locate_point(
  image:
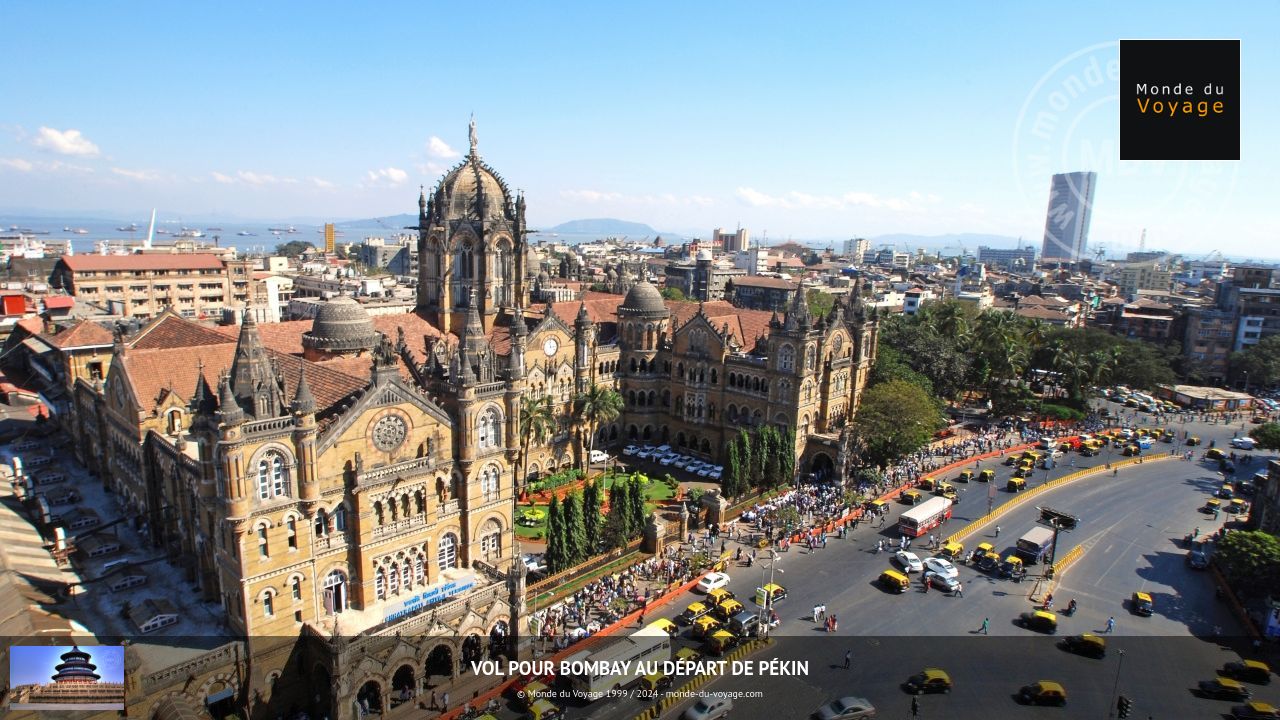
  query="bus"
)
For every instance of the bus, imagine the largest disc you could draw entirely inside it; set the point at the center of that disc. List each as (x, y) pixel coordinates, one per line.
(648, 644)
(924, 517)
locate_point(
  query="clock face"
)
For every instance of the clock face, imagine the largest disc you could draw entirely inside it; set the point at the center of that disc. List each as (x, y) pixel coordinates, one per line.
(389, 432)
(550, 346)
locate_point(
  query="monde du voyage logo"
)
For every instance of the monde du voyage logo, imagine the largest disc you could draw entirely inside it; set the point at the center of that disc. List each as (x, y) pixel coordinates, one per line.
(1179, 99)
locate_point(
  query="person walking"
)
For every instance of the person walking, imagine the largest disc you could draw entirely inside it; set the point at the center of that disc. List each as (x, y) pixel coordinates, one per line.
(915, 707)
(848, 658)
(959, 590)
(816, 610)
(1111, 625)
(444, 702)
(986, 626)
(997, 531)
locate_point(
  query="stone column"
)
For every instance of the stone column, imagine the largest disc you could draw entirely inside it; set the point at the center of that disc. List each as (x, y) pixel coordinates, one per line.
(654, 532)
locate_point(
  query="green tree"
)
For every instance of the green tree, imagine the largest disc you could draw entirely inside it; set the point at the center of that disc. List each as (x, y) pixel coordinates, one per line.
(592, 520)
(820, 303)
(895, 419)
(575, 529)
(635, 508)
(889, 365)
(617, 530)
(293, 248)
(787, 457)
(537, 423)
(598, 405)
(773, 457)
(1250, 561)
(760, 456)
(746, 457)
(1267, 435)
(557, 559)
(672, 293)
(731, 478)
(1259, 364)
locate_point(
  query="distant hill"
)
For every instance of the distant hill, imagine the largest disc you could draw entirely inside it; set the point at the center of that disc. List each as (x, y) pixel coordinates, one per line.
(970, 241)
(394, 221)
(602, 226)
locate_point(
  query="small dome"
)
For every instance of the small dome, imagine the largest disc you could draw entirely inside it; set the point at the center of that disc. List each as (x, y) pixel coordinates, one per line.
(704, 254)
(341, 325)
(644, 297)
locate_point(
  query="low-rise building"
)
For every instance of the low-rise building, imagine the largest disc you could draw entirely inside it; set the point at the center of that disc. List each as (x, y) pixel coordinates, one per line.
(143, 285)
(763, 292)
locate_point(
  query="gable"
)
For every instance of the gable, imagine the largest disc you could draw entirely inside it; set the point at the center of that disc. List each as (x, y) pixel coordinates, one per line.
(393, 391)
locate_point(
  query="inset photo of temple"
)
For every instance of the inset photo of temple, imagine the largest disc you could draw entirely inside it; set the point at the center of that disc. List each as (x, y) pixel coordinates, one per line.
(60, 678)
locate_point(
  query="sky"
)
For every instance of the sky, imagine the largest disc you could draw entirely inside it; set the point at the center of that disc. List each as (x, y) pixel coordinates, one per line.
(33, 664)
(807, 121)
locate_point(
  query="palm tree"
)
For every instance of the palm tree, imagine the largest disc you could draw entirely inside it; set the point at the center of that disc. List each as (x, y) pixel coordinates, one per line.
(597, 405)
(949, 319)
(537, 423)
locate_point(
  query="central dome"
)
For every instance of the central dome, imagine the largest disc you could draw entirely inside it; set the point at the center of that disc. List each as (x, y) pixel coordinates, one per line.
(341, 326)
(644, 297)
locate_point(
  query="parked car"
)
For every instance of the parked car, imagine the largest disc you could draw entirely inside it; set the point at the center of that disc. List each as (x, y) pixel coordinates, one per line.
(713, 581)
(909, 561)
(846, 708)
(941, 566)
(709, 708)
(630, 450)
(599, 456)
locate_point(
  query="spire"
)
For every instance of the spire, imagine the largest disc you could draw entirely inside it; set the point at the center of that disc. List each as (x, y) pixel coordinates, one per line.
(229, 411)
(798, 317)
(254, 380)
(474, 326)
(422, 201)
(203, 399)
(304, 403)
(518, 327)
(583, 318)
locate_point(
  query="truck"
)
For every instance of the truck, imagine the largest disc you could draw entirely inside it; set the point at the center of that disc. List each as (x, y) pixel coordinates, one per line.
(1035, 544)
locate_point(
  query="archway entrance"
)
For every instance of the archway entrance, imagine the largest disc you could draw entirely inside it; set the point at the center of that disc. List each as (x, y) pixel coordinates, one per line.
(220, 700)
(472, 650)
(822, 468)
(439, 662)
(369, 698)
(498, 640)
(403, 686)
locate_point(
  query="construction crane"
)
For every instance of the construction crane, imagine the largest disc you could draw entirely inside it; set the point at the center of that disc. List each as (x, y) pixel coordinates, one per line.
(1100, 253)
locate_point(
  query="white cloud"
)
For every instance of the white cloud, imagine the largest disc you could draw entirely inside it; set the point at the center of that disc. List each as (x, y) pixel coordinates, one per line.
(65, 142)
(322, 184)
(16, 164)
(590, 196)
(659, 199)
(224, 179)
(259, 179)
(438, 148)
(136, 174)
(390, 175)
(796, 200)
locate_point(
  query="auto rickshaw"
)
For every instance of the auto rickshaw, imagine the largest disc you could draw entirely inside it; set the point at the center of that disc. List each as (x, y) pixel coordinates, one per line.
(964, 476)
(654, 683)
(717, 596)
(952, 550)
(728, 609)
(1015, 484)
(989, 562)
(947, 491)
(720, 642)
(1238, 507)
(1254, 671)
(1012, 567)
(666, 626)
(544, 710)
(1212, 506)
(912, 497)
(987, 475)
(1142, 604)
(1131, 450)
(1087, 644)
(926, 484)
(695, 611)
(876, 507)
(1193, 441)
(703, 626)
(1023, 472)
(1214, 454)
(532, 693)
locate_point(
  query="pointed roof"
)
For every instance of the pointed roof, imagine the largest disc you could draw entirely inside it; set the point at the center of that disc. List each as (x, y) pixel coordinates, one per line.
(303, 401)
(83, 334)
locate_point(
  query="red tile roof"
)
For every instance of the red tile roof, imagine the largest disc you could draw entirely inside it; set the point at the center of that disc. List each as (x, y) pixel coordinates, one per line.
(744, 325)
(82, 334)
(149, 261)
(170, 330)
(59, 302)
(762, 281)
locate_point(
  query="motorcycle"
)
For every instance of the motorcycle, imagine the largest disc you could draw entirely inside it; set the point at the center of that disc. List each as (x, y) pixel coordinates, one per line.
(1071, 609)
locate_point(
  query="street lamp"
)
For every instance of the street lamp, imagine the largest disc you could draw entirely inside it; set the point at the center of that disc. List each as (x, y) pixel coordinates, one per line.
(1116, 687)
(767, 605)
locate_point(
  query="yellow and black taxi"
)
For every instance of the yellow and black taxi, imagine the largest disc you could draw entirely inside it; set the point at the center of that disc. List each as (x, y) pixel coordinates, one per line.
(544, 710)
(720, 642)
(770, 594)
(1221, 688)
(717, 596)
(1193, 441)
(1041, 621)
(694, 611)
(728, 609)
(1167, 436)
(989, 561)
(1255, 711)
(926, 484)
(929, 680)
(1016, 483)
(1214, 454)
(1237, 506)
(1044, 692)
(1086, 644)
(1142, 604)
(687, 654)
(1224, 491)
(1131, 450)
(666, 626)
(911, 497)
(1012, 460)
(703, 626)
(531, 692)
(654, 683)
(1253, 671)
(987, 475)
(1022, 471)
(894, 581)
(1211, 505)
(951, 550)
(964, 476)
(948, 491)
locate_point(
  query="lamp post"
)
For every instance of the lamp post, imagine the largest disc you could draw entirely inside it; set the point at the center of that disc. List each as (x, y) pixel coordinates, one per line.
(1115, 688)
(767, 605)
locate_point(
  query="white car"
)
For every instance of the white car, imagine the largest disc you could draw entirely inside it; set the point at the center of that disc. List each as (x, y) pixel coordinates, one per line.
(713, 581)
(664, 449)
(599, 456)
(1243, 443)
(695, 466)
(668, 459)
(644, 454)
(846, 708)
(680, 461)
(715, 474)
(706, 471)
(630, 450)
(941, 566)
(909, 561)
(709, 708)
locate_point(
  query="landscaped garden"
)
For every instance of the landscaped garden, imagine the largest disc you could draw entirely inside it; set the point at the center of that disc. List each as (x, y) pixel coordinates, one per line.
(533, 510)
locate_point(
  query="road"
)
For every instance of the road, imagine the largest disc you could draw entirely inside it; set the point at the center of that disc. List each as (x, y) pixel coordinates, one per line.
(1131, 529)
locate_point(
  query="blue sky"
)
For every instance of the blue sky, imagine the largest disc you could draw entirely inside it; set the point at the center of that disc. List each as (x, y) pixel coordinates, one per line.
(804, 120)
(30, 664)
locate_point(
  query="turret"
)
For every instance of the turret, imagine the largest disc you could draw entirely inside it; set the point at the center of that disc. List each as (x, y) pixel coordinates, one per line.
(229, 412)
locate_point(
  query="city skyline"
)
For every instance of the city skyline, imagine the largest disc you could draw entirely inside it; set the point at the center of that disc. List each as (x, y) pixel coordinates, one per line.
(837, 122)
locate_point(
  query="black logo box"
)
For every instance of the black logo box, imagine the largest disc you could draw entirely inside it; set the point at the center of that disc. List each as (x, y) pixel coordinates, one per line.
(1154, 124)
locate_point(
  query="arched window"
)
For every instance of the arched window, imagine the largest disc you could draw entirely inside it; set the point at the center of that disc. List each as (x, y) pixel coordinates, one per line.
(393, 580)
(340, 518)
(491, 540)
(447, 553)
(175, 421)
(291, 531)
(263, 549)
(418, 570)
(273, 481)
(489, 429)
(406, 573)
(489, 483)
(269, 603)
(380, 584)
(335, 591)
(786, 358)
(322, 523)
(296, 585)
(466, 268)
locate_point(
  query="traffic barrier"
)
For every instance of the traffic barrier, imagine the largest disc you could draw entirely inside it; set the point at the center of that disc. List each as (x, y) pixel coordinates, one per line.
(698, 681)
(1025, 496)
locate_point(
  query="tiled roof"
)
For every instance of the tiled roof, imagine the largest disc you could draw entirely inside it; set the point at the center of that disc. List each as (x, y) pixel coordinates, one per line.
(153, 371)
(744, 325)
(601, 308)
(285, 337)
(82, 334)
(1040, 312)
(169, 330)
(59, 302)
(762, 281)
(149, 261)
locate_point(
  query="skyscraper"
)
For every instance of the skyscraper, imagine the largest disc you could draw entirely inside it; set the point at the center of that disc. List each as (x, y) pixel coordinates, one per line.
(1066, 225)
